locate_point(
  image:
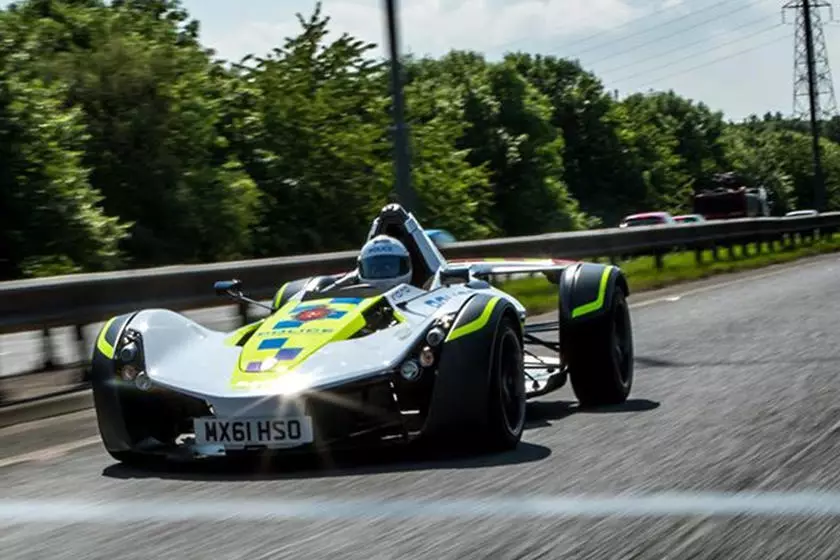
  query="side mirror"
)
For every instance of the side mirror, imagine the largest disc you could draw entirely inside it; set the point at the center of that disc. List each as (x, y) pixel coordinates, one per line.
(453, 274)
(224, 287)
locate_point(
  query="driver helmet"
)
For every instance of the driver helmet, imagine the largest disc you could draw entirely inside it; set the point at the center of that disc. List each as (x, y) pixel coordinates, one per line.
(384, 263)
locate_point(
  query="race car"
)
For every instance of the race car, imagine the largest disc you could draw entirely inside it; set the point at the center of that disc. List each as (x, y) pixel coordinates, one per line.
(443, 357)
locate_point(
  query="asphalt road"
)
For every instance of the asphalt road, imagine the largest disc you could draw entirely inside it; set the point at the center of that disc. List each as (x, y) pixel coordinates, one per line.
(728, 449)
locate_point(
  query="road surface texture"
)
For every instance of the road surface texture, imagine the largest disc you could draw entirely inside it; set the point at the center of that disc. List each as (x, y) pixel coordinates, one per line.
(728, 449)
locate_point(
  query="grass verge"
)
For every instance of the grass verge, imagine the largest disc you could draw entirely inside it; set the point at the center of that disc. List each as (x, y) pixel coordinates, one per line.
(539, 296)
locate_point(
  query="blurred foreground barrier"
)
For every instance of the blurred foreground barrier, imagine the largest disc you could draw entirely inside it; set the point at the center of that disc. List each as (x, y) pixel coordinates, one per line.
(83, 299)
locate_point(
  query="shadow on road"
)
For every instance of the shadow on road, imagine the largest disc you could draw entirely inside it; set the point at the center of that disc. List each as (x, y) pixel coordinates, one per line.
(369, 461)
(648, 361)
(348, 463)
(541, 413)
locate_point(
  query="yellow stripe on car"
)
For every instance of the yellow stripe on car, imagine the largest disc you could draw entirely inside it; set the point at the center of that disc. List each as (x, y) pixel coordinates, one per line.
(476, 324)
(102, 343)
(598, 303)
(279, 295)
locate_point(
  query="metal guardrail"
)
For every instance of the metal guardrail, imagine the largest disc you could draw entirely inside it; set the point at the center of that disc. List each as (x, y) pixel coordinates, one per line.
(82, 299)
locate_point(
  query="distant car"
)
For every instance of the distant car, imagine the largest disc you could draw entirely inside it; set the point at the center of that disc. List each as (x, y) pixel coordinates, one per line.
(689, 219)
(440, 237)
(800, 213)
(647, 219)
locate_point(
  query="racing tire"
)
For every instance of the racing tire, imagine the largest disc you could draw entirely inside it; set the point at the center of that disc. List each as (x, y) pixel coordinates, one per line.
(599, 355)
(506, 403)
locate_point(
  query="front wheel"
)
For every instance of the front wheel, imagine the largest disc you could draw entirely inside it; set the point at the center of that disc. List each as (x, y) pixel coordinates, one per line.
(599, 355)
(506, 397)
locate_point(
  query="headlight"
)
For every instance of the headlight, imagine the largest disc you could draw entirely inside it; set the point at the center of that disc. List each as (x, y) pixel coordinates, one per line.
(128, 372)
(435, 336)
(130, 363)
(142, 381)
(128, 352)
(427, 357)
(410, 371)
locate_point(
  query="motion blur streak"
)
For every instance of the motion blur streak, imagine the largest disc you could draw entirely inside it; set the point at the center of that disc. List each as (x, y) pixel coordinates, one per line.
(666, 504)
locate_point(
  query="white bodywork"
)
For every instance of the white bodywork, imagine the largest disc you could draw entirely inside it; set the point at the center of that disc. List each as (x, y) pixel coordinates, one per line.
(184, 356)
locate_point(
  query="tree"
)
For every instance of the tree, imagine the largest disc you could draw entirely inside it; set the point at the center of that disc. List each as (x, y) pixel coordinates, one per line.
(52, 221)
(150, 100)
(509, 132)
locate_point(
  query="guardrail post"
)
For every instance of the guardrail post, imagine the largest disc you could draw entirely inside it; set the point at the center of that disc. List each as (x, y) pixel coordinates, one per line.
(81, 345)
(698, 255)
(659, 259)
(46, 344)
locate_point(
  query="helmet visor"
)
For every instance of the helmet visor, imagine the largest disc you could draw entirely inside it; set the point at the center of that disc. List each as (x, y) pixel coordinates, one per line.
(379, 267)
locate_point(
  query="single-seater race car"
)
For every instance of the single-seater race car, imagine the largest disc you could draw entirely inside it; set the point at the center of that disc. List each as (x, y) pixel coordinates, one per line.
(337, 362)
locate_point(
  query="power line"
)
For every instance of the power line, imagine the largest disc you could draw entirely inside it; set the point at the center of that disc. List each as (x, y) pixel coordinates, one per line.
(678, 32)
(647, 15)
(694, 55)
(668, 24)
(703, 40)
(717, 60)
(598, 34)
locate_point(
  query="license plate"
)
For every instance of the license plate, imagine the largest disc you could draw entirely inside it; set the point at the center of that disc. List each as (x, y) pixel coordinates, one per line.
(242, 432)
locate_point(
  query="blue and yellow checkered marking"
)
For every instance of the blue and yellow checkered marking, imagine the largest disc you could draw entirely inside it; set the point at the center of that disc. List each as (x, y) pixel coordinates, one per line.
(284, 341)
(272, 343)
(283, 353)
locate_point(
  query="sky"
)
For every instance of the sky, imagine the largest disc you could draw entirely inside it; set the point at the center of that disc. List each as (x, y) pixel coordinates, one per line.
(736, 56)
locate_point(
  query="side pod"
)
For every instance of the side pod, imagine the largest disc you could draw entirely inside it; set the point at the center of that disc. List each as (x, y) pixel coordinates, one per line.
(586, 288)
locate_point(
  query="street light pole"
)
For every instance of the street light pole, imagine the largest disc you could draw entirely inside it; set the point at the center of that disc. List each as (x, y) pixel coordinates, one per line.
(405, 193)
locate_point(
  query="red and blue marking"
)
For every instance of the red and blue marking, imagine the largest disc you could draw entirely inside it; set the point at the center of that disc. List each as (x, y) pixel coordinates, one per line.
(304, 313)
(301, 314)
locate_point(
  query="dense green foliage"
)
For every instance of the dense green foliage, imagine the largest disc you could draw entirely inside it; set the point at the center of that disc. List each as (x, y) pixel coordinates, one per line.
(126, 143)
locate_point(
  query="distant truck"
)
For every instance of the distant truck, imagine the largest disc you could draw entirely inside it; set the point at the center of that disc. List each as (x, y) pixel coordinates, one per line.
(729, 198)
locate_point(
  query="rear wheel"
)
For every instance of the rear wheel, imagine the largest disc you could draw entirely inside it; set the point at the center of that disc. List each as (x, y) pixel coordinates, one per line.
(599, 355)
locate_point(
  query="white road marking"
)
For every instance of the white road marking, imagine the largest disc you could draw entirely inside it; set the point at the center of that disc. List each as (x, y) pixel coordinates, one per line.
(666, 504)
(49, 452)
